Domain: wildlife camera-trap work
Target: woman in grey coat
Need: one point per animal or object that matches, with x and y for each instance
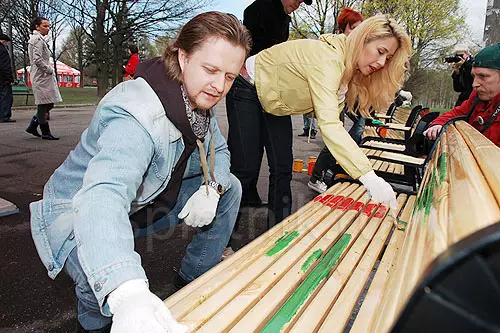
(43, 79)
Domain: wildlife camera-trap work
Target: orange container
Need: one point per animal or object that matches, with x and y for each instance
(311, 159)
(310, 167)
(297, 165)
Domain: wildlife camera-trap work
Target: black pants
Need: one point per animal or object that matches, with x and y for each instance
(250, 131)
(42, 110)
(5, 101)
(326, 160)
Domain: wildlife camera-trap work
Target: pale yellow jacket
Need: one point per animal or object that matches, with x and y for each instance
(297, 77)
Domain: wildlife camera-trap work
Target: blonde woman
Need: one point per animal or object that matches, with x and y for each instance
(297, 77)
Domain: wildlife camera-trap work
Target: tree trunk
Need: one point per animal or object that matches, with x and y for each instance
(101, 51)
(492, 25)
(11, 50)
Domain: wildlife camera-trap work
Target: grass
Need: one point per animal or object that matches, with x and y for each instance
(87, 95)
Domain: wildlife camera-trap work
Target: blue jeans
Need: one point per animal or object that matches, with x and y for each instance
(6, 101)
(357, 129)
(203, 253)
(307, 123)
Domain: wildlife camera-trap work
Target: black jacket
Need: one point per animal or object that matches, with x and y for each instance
(267, 22)
(6, 76)
(462, 81)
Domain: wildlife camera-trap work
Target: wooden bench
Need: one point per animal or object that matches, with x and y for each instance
(389, 157)
(21, 89)
(343, 263)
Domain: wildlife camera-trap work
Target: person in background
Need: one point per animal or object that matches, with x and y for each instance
(482, 108)
(309, 126)
(268, 22)
(347, 21)
(299, 76)
(461, 75)
(152, 157)
(43, 79)
(133, 61)
(6, 81)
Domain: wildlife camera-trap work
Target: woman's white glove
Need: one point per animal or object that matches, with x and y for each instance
(201, 208)
(378, 189)
(137, 310)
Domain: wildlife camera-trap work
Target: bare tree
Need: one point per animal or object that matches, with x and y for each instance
(318, 18)
(110, 24)
(492, 23)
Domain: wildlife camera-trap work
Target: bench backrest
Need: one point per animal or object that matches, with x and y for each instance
(459, 194)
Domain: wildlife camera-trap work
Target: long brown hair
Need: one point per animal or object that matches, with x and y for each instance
(194, 33)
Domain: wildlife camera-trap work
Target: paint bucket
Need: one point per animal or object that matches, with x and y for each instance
(297, 165)
(310, 165)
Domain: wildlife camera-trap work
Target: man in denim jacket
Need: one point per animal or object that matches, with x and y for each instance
(153, 156)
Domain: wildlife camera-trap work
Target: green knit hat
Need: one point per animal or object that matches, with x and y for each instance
(489, 57)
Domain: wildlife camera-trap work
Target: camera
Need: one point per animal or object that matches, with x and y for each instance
(453, 59)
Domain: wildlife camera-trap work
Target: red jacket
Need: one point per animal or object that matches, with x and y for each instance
(132, 63)
(483, 109)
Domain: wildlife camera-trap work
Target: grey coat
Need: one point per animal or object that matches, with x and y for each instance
(42, 76)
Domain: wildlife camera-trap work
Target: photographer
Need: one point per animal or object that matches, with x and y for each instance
(462, 77)
(482, 108)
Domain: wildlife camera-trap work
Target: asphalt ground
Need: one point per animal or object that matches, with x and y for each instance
(29, 300)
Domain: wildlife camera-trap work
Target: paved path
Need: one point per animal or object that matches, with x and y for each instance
(29, 300)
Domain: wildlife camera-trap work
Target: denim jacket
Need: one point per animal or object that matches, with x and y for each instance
(123, 161)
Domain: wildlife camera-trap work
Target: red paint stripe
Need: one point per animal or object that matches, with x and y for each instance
(380, 212)
(357, 206)
(335, 201)
(368, 211)
(318, 198)
(345, 204)
(326, 198)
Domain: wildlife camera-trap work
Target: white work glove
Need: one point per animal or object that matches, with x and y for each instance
(433, 132)
(200, 209)
(137, 310)
(378, 189)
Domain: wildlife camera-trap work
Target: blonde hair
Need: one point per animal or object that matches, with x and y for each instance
(200, 28)
(378, 89)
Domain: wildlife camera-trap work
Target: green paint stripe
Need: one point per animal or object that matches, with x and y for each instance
(403, 223)
(312, 258)
(282, 242)
(442, 162)
(320, 272)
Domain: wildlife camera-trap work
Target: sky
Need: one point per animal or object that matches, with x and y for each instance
(474, 9)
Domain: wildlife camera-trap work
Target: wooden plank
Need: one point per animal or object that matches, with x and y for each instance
(340, 314)
(425, 219)
(384, 145)
(400, 127)
(323, 298)
(384, 166)
(263, 311)
(377, 164)
(277, 286)
(204, 311)
(486, 153)
(370, 308)
(196, 292)
(388, 305)
(403, 158)
(467, 185)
